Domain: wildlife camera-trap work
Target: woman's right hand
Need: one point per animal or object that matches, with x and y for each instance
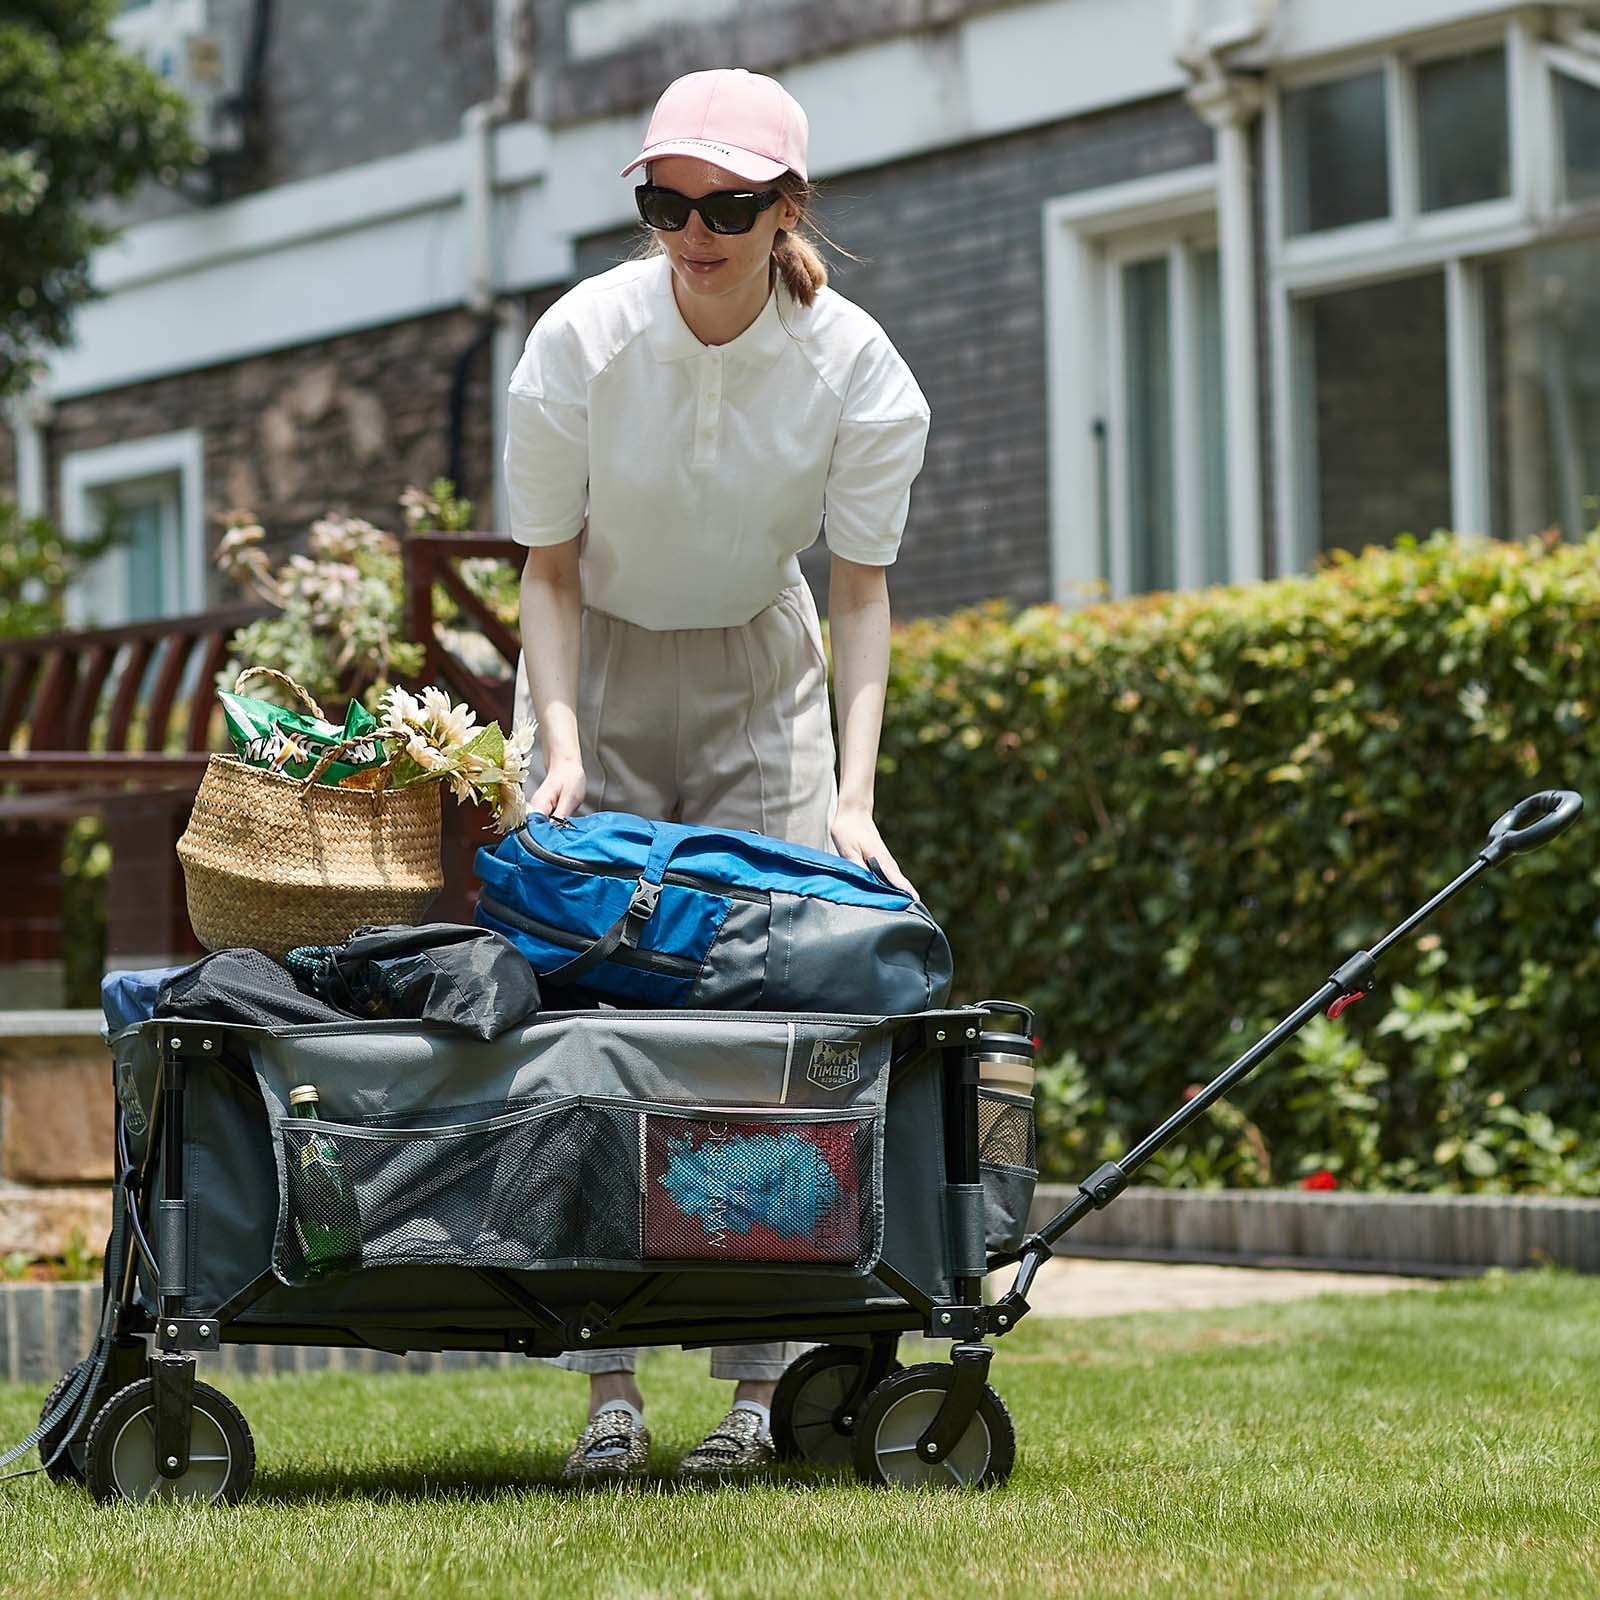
(562, 791)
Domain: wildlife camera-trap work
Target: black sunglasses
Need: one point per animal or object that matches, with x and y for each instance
(726, 211)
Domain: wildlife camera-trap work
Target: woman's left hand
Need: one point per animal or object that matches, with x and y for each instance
(856, 838)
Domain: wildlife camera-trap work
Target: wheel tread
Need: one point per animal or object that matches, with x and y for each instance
(63, 1469)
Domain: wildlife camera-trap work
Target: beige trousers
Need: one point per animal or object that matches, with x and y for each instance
(721, 727)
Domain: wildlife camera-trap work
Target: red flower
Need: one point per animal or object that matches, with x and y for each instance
(1322, 1179)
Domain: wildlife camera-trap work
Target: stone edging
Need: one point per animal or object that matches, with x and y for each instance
(1437, 1235)
(45, 1328)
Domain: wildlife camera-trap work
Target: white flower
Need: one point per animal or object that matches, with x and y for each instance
(420, 507)
(426, 755)
(511, 807)
(234, 542)
(401, 712)
(518, 748)
(451, 725)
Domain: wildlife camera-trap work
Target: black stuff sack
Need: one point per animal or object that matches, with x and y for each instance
(449, 974)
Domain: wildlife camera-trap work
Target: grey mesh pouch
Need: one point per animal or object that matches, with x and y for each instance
(695, 1142)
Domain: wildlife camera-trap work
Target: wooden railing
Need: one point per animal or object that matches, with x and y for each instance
(435, 559)
(86, 722)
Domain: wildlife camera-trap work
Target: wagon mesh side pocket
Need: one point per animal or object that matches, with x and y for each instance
(764, 1190)
(508, 1191)
(1008, 1164)
(579, 1183)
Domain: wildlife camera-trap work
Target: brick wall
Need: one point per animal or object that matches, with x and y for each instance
(350, 82)
(343, 423)
(951, 249)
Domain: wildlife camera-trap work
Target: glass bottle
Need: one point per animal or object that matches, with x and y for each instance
(327, 1224)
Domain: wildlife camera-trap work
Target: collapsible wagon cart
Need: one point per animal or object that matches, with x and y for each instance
(596, 1178)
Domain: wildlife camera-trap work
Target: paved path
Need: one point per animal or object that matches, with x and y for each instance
(1080, 1288)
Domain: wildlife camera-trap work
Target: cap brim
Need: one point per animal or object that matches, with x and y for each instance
(744, 164)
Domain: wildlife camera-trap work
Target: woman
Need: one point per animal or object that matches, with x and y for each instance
(678, 430)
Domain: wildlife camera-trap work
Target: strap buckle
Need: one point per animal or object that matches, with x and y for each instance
(642, 906)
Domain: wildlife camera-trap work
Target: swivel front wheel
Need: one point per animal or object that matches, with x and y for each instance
(120, 1453)
(899, 1411)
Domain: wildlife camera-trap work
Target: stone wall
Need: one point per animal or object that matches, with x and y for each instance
(56, 1158)
(961, 292)
(343, 423)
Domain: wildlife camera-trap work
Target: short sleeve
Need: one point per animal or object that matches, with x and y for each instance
(547, 438)
(877, 453)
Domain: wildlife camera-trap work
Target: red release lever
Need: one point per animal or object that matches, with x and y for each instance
(1345, 1001)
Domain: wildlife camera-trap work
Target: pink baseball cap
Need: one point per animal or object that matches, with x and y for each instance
(740, 120)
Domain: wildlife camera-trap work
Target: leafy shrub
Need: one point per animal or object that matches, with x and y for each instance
(37, 564)
(1164, 822)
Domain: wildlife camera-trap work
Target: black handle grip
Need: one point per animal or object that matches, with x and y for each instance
(1023, 1014)
(1531, 823)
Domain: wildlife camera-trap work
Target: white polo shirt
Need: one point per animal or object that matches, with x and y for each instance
(697, 473)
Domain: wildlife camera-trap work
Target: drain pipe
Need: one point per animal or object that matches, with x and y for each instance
(1230, 103)
(499, 321)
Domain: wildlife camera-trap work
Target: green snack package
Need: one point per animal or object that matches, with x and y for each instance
(290, 742)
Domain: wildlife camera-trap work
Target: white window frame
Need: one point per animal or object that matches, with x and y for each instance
(89, 475)
(1457, 241)
(1084, 236)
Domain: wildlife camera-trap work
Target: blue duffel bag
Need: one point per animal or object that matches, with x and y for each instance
(622, 909)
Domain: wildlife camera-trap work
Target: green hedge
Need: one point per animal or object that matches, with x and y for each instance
(1164, 822)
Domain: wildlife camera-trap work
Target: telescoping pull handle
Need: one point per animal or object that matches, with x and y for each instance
(1531, 823)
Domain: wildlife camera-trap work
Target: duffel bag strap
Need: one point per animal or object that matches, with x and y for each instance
(629, 928)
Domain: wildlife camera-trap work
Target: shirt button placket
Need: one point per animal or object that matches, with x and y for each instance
(709, 419)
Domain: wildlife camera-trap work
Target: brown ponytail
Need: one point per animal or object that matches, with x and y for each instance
(797, 260)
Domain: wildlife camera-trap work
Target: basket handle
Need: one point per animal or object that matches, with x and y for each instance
(283, 678)
(383, 772)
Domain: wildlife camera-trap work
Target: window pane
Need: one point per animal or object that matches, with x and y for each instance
(1337, 153)
(1466, 150)
(143, 513)
(1213, 417)
(1380, 402)
(141, 523)
(1147, 383)
(1580, 137)
(1542, 310)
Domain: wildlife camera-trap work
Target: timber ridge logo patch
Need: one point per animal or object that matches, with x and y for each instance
(834, 1066)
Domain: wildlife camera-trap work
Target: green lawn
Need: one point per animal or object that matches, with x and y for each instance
(1443, 1443)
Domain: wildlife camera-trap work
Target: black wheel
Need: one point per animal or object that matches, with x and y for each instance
(124, 1362)
(901, 1407)
(68, 1466)
(806, 1422)
(120, 1454)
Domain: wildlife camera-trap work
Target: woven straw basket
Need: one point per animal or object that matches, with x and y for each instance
(271, 862)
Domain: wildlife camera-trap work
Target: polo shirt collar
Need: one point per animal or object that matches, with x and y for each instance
(671, 338)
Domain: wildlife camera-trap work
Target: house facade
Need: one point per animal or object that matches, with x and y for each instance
(1197, 289)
